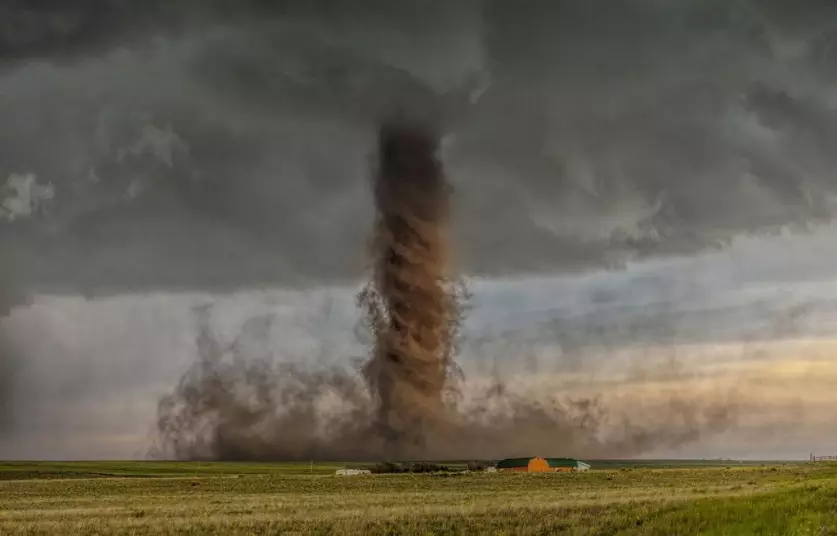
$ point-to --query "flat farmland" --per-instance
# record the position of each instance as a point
(303, 498)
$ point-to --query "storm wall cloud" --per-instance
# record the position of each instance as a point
(590, 134)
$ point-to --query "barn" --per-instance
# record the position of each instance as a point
(541, 465)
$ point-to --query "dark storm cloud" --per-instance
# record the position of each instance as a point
(650, 127)
(218, 144)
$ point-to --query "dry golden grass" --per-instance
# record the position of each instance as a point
(271, 499)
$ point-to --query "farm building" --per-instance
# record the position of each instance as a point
(541, 465)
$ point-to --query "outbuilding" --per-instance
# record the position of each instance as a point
(352, 472)
(541, 465)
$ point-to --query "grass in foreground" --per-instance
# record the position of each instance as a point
(232, 498)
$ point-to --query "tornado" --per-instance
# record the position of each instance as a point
(412, 300)
(401, 404)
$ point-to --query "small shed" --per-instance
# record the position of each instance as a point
(541, 465)
(352, 472)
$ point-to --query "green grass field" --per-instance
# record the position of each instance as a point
(253, 498)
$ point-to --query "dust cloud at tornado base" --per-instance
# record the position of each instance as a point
(236, 403)
(406, 400)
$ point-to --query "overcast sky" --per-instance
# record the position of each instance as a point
(635, 183)
(159, 145)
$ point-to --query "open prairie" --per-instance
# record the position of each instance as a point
(301, 498)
